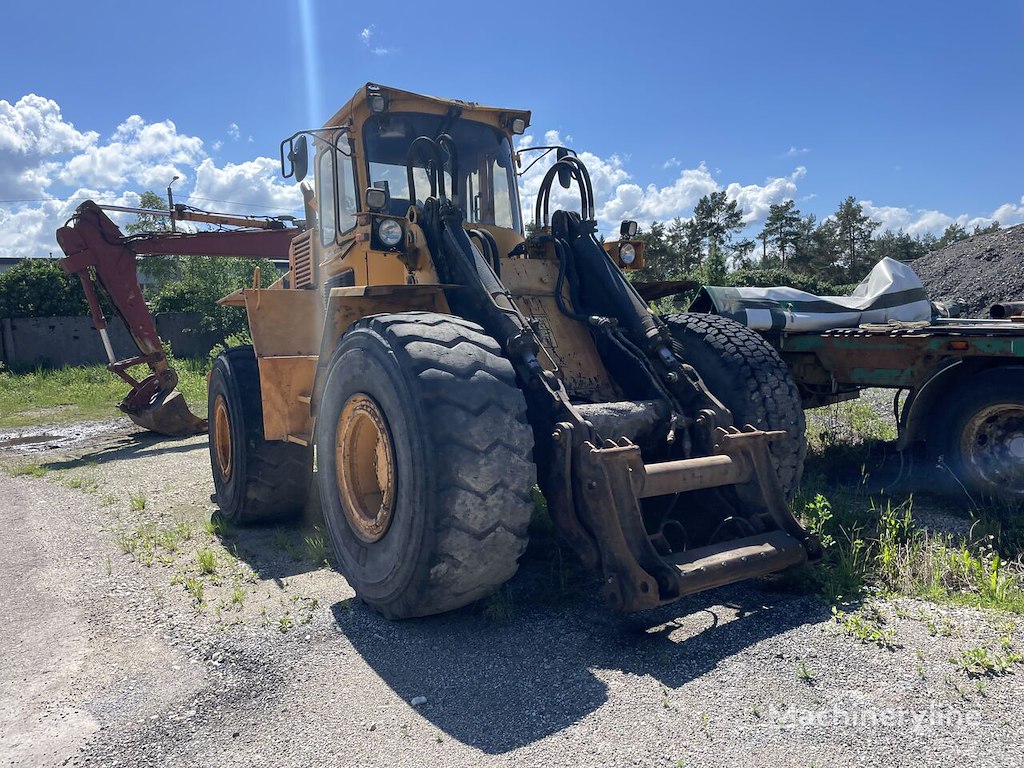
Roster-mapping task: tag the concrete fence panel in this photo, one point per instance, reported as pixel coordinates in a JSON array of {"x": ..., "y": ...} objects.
[{"x": 53, "y": 342}]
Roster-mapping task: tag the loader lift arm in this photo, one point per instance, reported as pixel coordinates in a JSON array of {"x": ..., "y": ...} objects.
[
  {"x": 594, "y": 485},
  {"x": 100, "y": 254}
]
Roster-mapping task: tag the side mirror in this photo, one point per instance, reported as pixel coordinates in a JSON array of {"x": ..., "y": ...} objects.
[
  {"x": 564, "y": 173},
  {"x": 298, "y": 156}
]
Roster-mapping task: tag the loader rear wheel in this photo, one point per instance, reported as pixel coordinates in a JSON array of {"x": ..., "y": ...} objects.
[
  {"x": 255, "y": 479},
  {"x": 746, "y": 373},
  {"x": 424, "y": 463}
]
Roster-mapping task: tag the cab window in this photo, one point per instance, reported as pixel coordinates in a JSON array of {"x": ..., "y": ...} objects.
[{"x": 337, "y": 198}]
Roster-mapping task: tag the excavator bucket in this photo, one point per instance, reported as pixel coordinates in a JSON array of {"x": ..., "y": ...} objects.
[{"x": 161, "y": 411}]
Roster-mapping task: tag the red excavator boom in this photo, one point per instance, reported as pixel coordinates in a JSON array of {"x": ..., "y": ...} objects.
[{"x": 97, "y": 251}]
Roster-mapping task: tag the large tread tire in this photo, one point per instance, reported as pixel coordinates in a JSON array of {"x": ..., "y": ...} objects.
[
  {"x": 267, "y": 480},
  {"x": 746, "y": 373},
  {"x": 462, "y": 448},
  {"x": 980, "y": 429}
]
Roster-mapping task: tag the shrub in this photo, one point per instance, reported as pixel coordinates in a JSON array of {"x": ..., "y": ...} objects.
[
  {"x": 203, "y": 281},
  {"x": 773, "y": 276},
  {"x": 39, "y": 288}
]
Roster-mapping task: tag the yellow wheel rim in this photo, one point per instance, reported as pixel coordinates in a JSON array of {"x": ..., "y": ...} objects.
[
  {"x": 365, "y": 466},
  {"x": 222, "y": 436}
]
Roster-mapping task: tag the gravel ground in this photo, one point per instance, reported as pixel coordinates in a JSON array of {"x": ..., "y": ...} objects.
[
  {"x": 113, "y": 661},
  {"x": 977, "y": 272}
]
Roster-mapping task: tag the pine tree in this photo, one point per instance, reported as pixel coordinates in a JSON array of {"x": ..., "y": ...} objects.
[
  {"x": 716, "y": 219},
  {"x": 781, "y": 230},
  {"x": 853, "y": 238}
]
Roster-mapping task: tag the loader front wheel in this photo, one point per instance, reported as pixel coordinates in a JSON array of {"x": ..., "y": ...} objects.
[
  {"x": 746, "y": 373},
  {"x": 424, "y": 463},
  {"x": 255, "y": 479}
]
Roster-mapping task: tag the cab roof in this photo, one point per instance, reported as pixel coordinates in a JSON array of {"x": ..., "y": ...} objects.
[{"x": 358, "y": 108}]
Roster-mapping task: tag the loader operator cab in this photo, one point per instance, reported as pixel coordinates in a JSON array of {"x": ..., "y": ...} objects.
[
  {"x": 366, "y": 147},
  {"x": 485, "y": 165}
]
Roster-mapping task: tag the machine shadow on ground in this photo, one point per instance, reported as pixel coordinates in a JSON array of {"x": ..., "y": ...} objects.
[
  {"x": 279, "y": 549},
  {"x": 501, "y": 685}
]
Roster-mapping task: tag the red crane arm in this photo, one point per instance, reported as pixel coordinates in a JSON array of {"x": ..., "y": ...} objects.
[{"x": 97, "y": 251}]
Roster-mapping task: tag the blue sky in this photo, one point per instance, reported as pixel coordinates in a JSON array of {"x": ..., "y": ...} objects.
[{"x": 915, "y": 108}]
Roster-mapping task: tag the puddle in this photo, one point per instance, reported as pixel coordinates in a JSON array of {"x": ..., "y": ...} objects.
[
  {"x": 51, "y": 437},
  {"x": 12, "y": 441}
]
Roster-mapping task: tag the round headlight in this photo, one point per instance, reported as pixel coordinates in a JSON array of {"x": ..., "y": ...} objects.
[
  {"x": 390, "y": 232},
  {"x": 627, "y": 253}
]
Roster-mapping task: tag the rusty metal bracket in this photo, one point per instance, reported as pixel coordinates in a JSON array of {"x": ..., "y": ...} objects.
[
  {"x": 751, "y": 445},
  {"x": 560, "y": 499},
  {"x": 635, "y": 576}
]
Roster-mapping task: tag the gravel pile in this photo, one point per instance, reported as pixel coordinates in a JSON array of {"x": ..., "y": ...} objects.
[{"x": 976, "y": 272}]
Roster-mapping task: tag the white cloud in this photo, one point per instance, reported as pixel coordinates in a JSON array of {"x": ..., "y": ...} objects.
[
  {"x": 671, "y": 163},
  {"x": 617, "y": 196},
  {"x": 795, "y": 151},
  {"x": 755, "y": 200},
  {"x": 917, "y": 221},
  {"x": 147, "y": 154},
  {"x": 366, "y": 35},
  {"x": 605, "y": 175},
  {"x": 34, "y": 126},
  {"x": 233, "y": 131},
  {"x": 253, "y": 187},
  {"x": 30, "y": 230},
  {"x": 32, "y": 132},
  {"x": 1009, "y": 213},
  {"x": 44, "y": 156}
]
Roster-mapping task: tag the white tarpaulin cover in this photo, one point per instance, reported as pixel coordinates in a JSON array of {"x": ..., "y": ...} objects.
[{"x": 891, "y": 291}]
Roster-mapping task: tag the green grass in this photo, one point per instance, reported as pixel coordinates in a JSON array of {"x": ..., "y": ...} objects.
[
  {"x": 148, "y": 543},
  {"x": 866, "y": 625},
  {"x": 498, "y": 607},
  {"x": 194, "y": 587},
  {"x": 28, "y": 470},
  {"x": 988, "y": 661},
  {"x": 82, "y": 394},
  {"x": 207, "y": 561},
  {"x": 873, "y": 545},
  {"x": 804, "y": 673},
  {"x": 316, "y": 549}
]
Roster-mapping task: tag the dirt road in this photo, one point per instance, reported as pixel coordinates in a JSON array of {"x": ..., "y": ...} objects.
[{"x": 112, "y": 659}]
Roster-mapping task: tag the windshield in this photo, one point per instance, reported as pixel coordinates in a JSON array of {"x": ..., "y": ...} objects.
[{"x": 487, "y": 188}]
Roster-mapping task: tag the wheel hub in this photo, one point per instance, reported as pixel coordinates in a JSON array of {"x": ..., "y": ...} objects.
[
  {"x": 222, "y": 436},
  {"x": 992, "y": 444},
  {"x": 365, "y": 467}
]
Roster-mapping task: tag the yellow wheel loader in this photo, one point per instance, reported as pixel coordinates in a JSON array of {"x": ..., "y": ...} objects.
[{"x": 439, "y": 363}]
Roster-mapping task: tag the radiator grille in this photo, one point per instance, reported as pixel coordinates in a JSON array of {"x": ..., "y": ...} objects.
[{"x": 300, "y": 256}]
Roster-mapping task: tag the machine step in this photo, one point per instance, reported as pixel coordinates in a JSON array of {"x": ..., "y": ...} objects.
[{"x": 735, "y": 560}]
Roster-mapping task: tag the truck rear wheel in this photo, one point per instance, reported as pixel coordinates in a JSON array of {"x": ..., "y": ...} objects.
[
  {"x": 255, "y": 479},
  {"x": 985, "y": 444},
  {"x": 746, "y": 373},
  {"x": 424, "y": 463}
]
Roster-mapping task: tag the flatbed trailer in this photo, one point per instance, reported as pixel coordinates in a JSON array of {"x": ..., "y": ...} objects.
[{"x": 963, "y": 381}]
